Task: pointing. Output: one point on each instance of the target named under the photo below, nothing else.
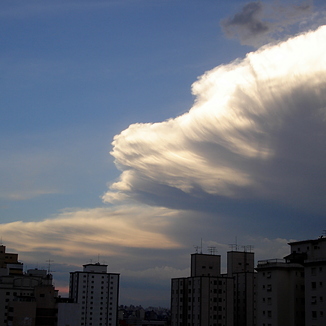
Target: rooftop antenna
(49, 261)
(247, 248)
(199, 247)
(212, 250)
(234, 246)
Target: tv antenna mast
(212, 250)
(49, 261)
(234, 246)
(199, 247)
(247, 248)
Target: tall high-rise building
(204, 298)
(96, 291)
(240, 266)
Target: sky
(133, 131)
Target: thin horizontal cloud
(93, 231)
(255, 132)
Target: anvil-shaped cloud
(256, 131)
(247, 159)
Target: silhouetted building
(25, 298)
(9, 263)
(292, 291)
(280, 293)
(240, 266)
(312, 255)
(204, 298)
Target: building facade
(9, 263)
(204, 298)
(280, 293)
(25, 298)
(96, 292)
(240, 266)
(312, 255)
(292, 291)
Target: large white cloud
(255, 131)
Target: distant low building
(138, 316)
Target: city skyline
(133, 129)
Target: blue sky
(208, 142)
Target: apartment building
(312, 255)
(240, 266)
(280, 293)
(96, 294)
(292, 291)
(204, 298)
(9, 263)
(25, 298)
